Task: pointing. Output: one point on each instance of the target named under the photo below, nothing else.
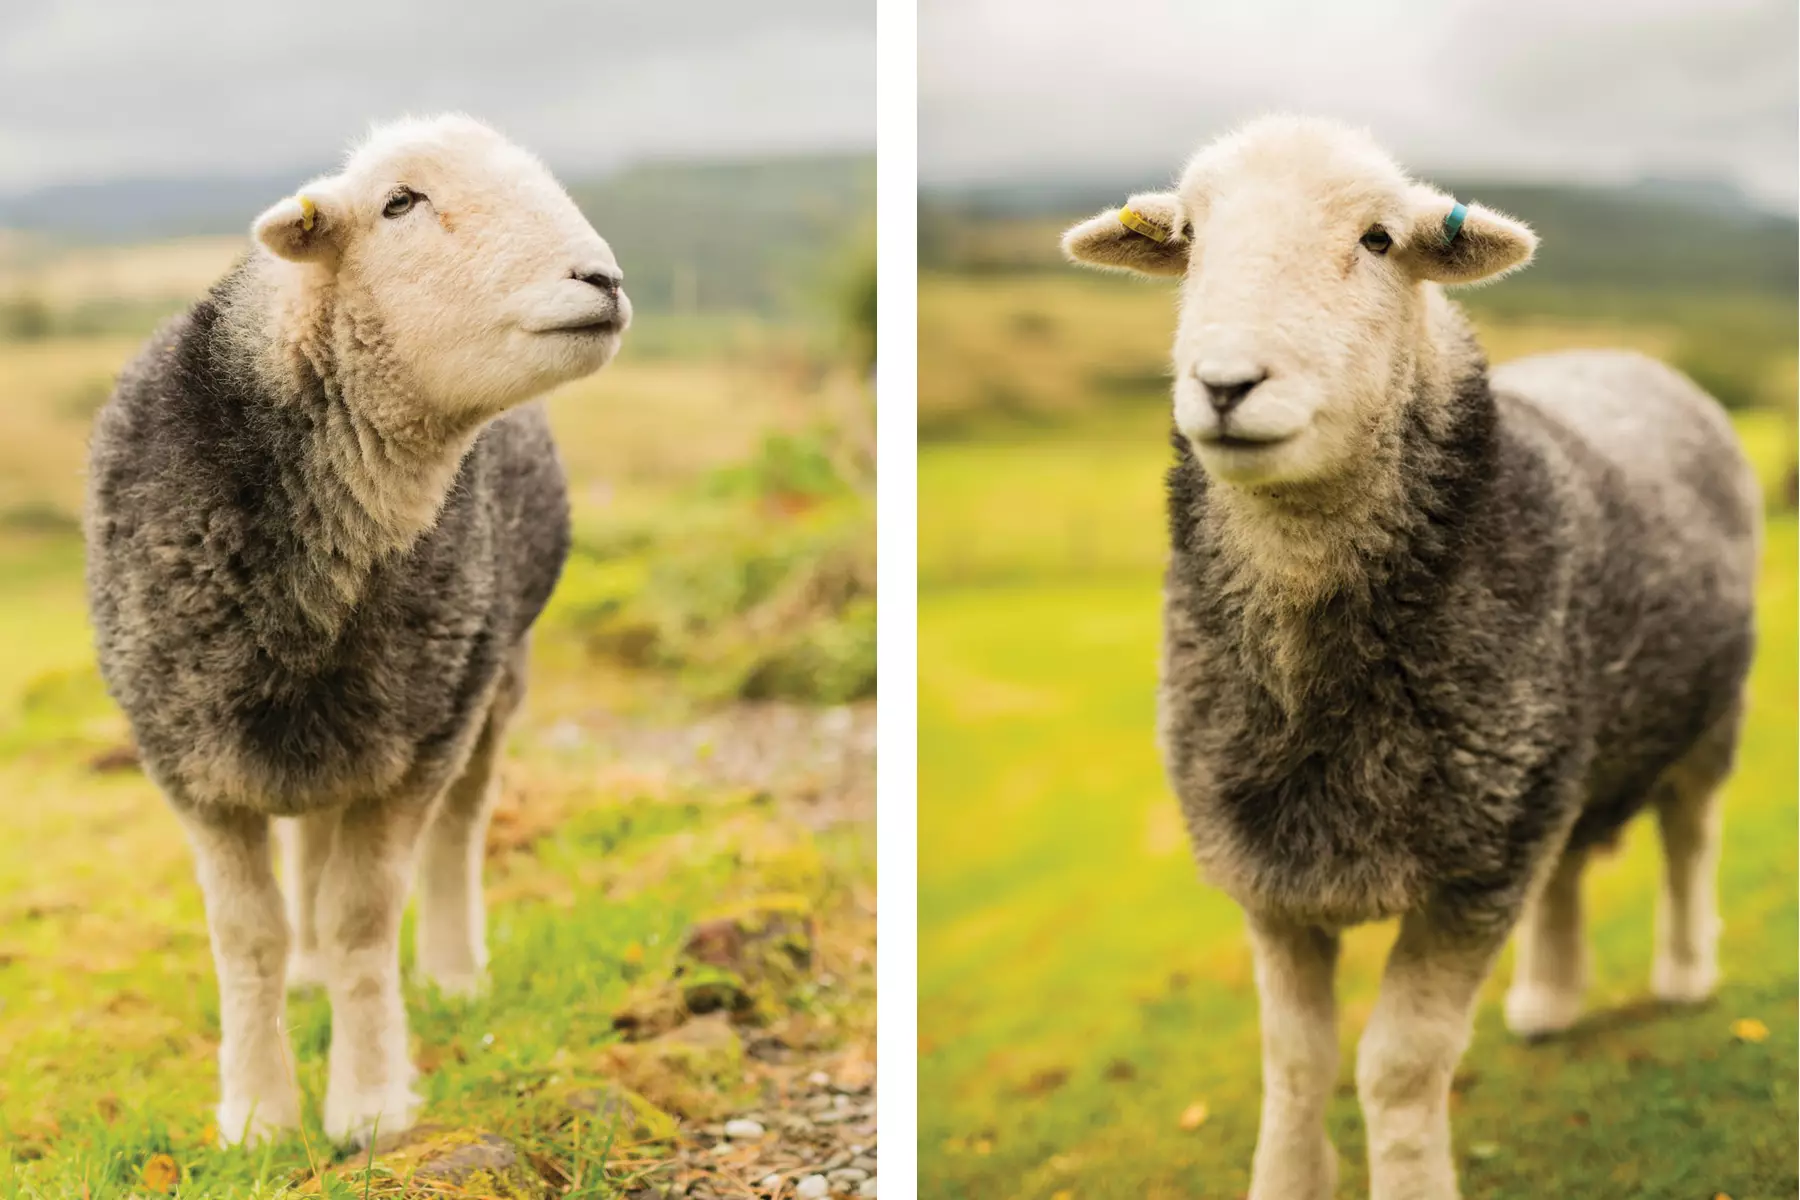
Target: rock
(867, 1188)
(846, 1175)
(813, 1187)
(613, 1108)
(468, 1160)
(743, 1129)
(769, 937)
(691, 1071)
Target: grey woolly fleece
(277, 643)
(1552, 610)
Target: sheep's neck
(376, 461)
(1316, 576)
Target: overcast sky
(95, 90)
(1602, 90)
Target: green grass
(1080, 988)
(108, 1009)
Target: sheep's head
(484, 283)
(1308, 263)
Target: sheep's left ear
(1449, 242)
(308, 226)
(1142, 236)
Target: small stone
(743, 1129)
(813, 1187)
(863, 1164)
(867, 1188)
(819, 1079)
(847, 1175)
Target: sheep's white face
(484, 282)
(1306, 258)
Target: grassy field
(642, 797)
(1087, 1010)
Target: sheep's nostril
(606, 281)
(1227, 392)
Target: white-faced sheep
(1431, 635)
(321, 521)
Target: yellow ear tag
(307, 209)
(1135, 221)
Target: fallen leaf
(1749, 1029)
(161, 1173)
(1194, 1116)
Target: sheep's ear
(1463, 243)
(1144, 236)
(306, 227)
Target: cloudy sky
(1602, 90)
(94, 90)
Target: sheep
(322, 519)
(1431, 635)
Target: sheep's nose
(1226, 389)
(606, 281)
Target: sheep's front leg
(362, 893)
(1415, 1037)
(305, 846)
(1295, 966)
(451, 946)
(250, 944)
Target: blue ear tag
(1453, 223)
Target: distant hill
(1662, 234)
(755, 236)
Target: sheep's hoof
(458, 985)
(456, 976)
(305, 971)
(1683, 983)
(1535, 1011)
(246, 1123)
(357, 1120)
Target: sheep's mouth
(601, 325)
(1237, 441)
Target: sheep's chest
(1302, 841)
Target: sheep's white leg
(257, 1098)
(1686, 968)
(1409, 1052)
(362, 894)
(451, 945)
(1295, 967)
(305, 845)
(1550, 968)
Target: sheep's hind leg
(1550, 968)
(305, 845)
(1295, 968)
(451, 947)
(362, 893)
(257, 1098)
(1686, 967)
(1408, 1054)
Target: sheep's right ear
(306, 227)
(1144, 236)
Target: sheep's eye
(1187, 231)
(1377, 241)
(399, 203)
